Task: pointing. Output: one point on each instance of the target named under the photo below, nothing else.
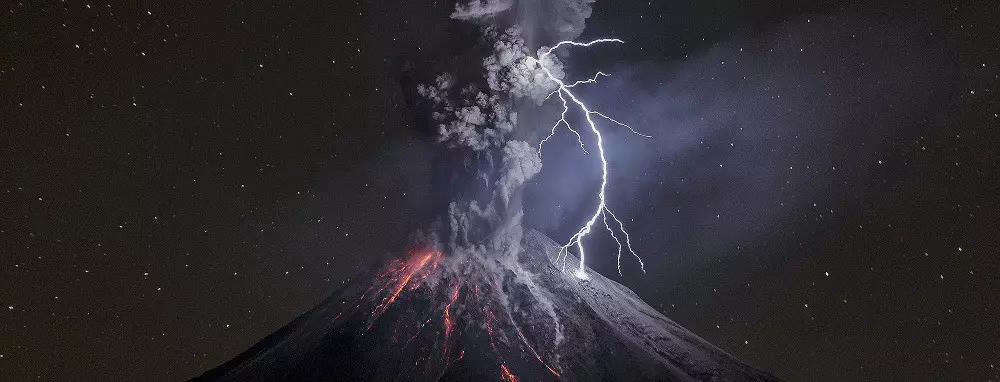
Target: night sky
(819, 198)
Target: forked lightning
(601, 211)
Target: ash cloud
(480, 9)
(474, 110)
(540, 21)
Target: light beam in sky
(601, 210)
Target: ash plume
(475, 115)
(480, 9)
(478, 296)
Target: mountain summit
(436, 317)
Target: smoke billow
(475, 110)
(477, 9)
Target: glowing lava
(507, 375)
(449, 322)
(397, 276)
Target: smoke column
(475, 113)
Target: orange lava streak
(535, 353)
(504, 371)
(409, 270)
(419, 328)
(489, 329)
(507, 375)
(448, 322)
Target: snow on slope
(483, 319)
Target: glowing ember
(538, 356)
(507, 375)
(408, 274)
(449, 322)
(401, 277)
(490, 319)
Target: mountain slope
(432, 317)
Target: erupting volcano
(431, 317)
(477, 299)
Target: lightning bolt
(601, 211)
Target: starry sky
(819, 198)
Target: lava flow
(440, 278)
(507, 375)
(400, 274)
(448, 321)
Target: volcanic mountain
(430, 316)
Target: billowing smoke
(475, 115)
(477, 9)
(540, 22)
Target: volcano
(430, 316)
